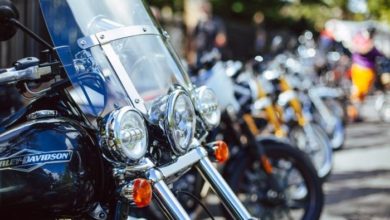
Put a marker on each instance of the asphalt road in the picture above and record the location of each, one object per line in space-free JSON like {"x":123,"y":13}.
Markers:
{"x":359,"y":187}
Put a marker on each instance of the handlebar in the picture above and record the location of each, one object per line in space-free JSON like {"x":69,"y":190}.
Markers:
{"x":26,"y":69}
{"x":11,"y":75}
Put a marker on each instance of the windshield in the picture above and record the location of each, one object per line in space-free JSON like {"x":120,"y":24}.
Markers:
{"x":113,"y":52}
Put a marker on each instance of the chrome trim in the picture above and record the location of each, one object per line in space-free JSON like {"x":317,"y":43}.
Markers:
{"x":42,"y":114}
{"x":142,"y":165}
{"x":124,"y":32}
{"x":222,"y":189}
{"x":183,"y":162}
{"x":105,"y":37}
{"x":124,"y":78}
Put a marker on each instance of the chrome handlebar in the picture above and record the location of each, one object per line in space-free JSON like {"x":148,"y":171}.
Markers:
{"x":12,"y":75}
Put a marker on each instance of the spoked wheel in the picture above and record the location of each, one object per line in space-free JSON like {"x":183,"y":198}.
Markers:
{"x":292,"y":191}
{"x":314,"y":141}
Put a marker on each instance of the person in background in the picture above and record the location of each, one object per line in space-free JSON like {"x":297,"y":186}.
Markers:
{"x":363,"y":72}
{"x":209,"y":33}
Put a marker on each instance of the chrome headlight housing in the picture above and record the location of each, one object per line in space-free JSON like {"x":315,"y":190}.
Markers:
{"x":126,"y":135}
{"x":206,"y":103}
{"x":180,"y":121}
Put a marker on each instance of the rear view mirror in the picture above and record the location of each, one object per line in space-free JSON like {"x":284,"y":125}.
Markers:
{"x":8,"y":12}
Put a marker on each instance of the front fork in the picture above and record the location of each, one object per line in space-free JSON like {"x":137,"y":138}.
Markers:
{"x":198,"y":158}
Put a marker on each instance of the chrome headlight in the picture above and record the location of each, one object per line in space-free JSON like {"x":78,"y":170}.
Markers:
{"x":207,"y":105}
{"x":126,"y":134}
{"x":180,"y":122}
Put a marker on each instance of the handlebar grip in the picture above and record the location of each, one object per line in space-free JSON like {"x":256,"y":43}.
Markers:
{"x":3,"y":71}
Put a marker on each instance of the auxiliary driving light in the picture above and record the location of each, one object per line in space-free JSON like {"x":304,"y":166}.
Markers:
{"x":126,"y":134}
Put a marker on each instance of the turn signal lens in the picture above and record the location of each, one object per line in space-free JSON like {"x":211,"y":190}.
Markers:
{"x":142,"y":193}
{"x":266,"y":164}
{"x":221,"y":151}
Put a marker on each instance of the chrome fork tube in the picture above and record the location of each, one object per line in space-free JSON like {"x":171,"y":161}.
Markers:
{"x":165,"y":197}
{"x":222,"y":189}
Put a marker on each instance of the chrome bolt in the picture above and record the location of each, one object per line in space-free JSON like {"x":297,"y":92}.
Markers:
{"x":83,"y":42}
{"x":102,"y":36}
{"x":137,"y":101}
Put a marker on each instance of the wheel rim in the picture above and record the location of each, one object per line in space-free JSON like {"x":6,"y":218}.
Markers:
{"x":254,"y":191}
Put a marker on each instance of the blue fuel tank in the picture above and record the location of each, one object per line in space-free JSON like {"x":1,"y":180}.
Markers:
{"x":48,"y":168}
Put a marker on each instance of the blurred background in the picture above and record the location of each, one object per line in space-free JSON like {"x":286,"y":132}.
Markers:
{"x":251,"y":26}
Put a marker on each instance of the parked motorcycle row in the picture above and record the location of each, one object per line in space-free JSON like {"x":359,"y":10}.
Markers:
{"x":116,"y":128}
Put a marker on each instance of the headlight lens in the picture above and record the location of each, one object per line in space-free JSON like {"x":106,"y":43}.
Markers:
{"x":181,"y":120}
{"x":208,"y":107}
{"x":127,"y":134}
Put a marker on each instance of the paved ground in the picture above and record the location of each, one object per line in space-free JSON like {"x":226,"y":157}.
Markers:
{"x":359,"y":187}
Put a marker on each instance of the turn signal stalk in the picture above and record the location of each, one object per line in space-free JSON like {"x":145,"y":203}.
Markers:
{"x":138,"y":192}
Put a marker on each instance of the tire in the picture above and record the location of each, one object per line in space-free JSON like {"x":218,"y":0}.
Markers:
{"x":243,"y":182}
{"x":319,"y":149}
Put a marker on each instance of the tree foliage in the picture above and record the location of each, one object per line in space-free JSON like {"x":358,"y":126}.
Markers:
{"x":313,"y":12}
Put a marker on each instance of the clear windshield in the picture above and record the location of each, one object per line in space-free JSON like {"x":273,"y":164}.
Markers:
{"x":122,"y":39}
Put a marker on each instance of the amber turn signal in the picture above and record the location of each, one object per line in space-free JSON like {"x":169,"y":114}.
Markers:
{"x":142,"y":193}
{"x":266,"y":164}
{"x":138,"y":192}
{"x":221,"y":151}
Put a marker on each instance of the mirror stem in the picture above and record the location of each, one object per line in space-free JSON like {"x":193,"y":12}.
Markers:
{"x":31,"y":33}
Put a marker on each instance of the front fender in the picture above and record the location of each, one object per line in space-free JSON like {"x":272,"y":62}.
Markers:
{"x":272,"y":140}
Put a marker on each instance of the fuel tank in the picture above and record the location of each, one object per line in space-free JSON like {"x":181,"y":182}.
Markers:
{"x":48,"y":168}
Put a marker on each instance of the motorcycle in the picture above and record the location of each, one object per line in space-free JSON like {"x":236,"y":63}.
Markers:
{"x":273,"y":179}
{"x":326,"y":103}
{"x":294,"y":109}
{"x":114,"y":122}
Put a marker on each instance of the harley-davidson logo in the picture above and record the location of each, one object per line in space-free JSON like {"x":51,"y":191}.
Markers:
{"x":27,"y":160}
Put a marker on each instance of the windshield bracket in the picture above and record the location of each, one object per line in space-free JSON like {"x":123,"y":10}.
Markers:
{"x":105,"y":37}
